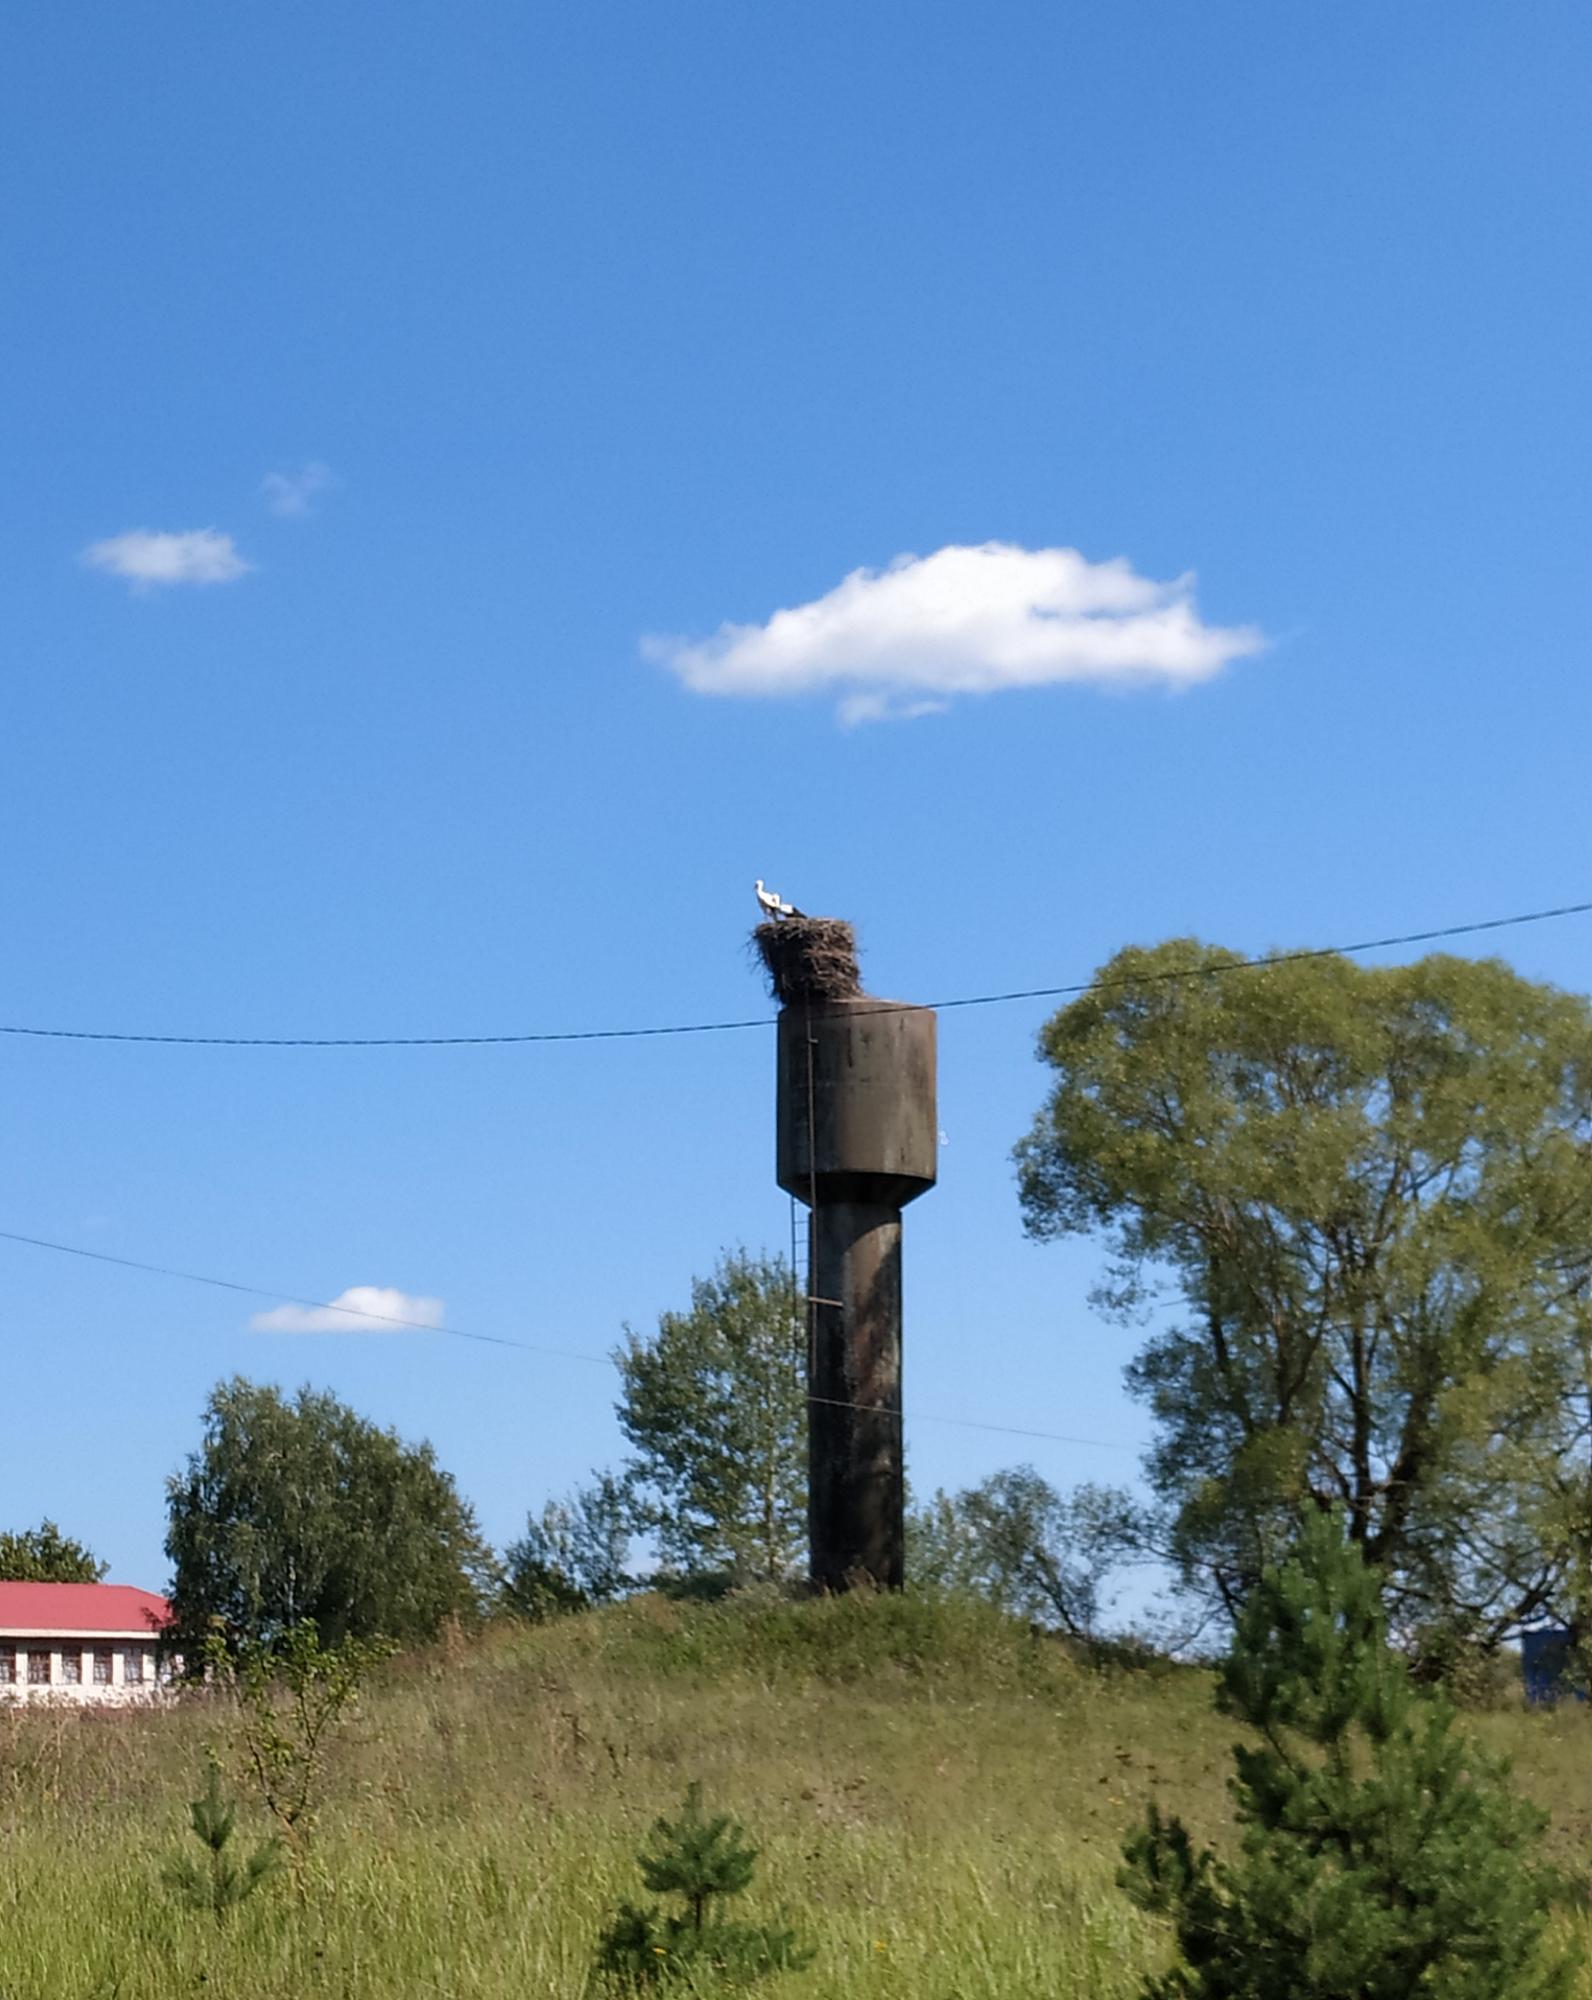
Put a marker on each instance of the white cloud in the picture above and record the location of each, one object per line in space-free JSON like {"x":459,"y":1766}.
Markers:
{"x":292,"y":494}
{"x":145,"y":558}
{"x":905,"y":640}
{"x":361,"y":1309}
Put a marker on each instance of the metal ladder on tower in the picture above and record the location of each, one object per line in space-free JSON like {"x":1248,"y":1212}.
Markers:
{"x":801,"y":1275}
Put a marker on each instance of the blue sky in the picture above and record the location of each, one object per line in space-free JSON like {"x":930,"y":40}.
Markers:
{"x":503,"y":356}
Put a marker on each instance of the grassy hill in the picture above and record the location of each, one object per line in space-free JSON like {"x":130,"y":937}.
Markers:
{"x":938,"y":1796}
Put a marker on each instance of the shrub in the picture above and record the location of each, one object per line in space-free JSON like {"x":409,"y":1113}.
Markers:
{"x":859,"y":1635}
{"x":290,"y":1701}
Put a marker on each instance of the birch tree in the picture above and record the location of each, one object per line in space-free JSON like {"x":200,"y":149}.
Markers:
{"x":714,"y":1404}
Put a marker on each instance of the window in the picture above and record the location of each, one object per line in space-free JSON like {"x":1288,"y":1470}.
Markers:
{"x":38,"y":1670}
{"x":133,"y":1666}
{"x":72,"y":1667}
{"x":8,"y":1666}
{"x":102,"y":1669}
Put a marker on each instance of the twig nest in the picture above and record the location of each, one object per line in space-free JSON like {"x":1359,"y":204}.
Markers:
{"x":809,"y":959}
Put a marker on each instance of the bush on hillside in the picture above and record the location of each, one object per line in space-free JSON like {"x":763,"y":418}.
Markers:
{"x":289,"y":1704}
{"x":856,"y":1636}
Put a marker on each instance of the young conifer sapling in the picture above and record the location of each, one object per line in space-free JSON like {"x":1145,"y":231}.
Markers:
{"x":221,"y":1878}
{"x":701,"y":1859}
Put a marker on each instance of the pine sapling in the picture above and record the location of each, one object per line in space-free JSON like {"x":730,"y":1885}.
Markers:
{"x":699,"y":1859}
{"x":221,"y":1880}
{"x":1382,"y":1856}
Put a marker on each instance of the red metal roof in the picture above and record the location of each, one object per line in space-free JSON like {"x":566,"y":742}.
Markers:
{"x":80,"y":1607}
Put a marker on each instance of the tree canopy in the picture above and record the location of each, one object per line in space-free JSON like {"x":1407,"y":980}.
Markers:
{"x":44,"y":1555}
{"x":574,"y":1554}
{"x":297,"y":1508}
{"x":1015,"y":1540}
{"x":1353,"y":1206}
{"x":715,"y":1405}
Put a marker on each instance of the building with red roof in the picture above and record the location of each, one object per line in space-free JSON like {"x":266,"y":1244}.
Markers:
{"x":88,"y":1642}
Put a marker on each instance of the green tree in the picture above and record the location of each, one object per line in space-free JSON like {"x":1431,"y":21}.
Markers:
{"x":715,"y":1405}
{"x":44,"y":1555}
{"x":297,"y":1508}
{"x":1382,"y":1856}
{"x":1015,"y":1540}
{"x":574,"y":1554}
{"x":1366,"y":1194}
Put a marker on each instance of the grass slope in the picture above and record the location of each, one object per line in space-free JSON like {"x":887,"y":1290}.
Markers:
{"x":938,"y":1796}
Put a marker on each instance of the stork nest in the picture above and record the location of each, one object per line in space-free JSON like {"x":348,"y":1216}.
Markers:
{"x":809,"y":959}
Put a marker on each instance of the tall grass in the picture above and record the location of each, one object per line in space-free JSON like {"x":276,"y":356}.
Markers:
{"x":938,"y":1796}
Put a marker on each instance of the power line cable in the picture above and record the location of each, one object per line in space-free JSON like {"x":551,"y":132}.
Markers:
{"x":535,"y":1347}
{"x":493,"y":1339}
{"x":1300,"y":957}
{"x":293,"y":1299}
{"x":1076,"y":987}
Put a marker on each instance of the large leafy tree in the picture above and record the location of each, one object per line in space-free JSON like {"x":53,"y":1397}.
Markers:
{"x":1366,"y":1195}
{"x":298,"y":1508}
{"x":715,"y":1405}
{"x":44,"y":1555}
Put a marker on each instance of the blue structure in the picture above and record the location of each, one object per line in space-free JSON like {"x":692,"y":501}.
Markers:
{"x":1544,"y":1664}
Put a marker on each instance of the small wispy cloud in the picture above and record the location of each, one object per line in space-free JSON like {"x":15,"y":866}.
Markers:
{"x":361,"y":1309}
{"x":147,"y":559}
{"x":292,"y":494}
{"x":966,"y":620}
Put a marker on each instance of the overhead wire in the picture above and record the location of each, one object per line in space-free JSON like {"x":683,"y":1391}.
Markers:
{"x":1429,"y":936}
{"x":295,"y":1299}
{"x":1390,"y":942}
{"x":494,"y":1339}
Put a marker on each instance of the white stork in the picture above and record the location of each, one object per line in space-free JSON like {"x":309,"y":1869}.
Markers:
{"x":770,"y":904}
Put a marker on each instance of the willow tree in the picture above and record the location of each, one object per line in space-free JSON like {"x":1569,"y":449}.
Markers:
{"x":1352,"y":1208}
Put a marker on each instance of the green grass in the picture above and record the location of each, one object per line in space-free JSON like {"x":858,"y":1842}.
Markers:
{"x":938,"y":1797}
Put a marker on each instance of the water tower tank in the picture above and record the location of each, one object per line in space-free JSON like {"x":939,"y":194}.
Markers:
{"x":856,"y":1110}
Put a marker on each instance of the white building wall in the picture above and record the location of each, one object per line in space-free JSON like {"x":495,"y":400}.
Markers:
{"x":119,"y":1690}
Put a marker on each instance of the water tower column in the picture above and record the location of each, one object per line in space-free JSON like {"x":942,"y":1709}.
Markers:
{"x":857,"y":1140}
{"x":856,"y":1474}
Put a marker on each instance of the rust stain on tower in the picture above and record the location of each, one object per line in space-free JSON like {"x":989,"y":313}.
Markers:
{"x":857,"y":1140}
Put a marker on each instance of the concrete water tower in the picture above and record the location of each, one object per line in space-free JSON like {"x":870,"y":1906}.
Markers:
{"x":857,"y":1139}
